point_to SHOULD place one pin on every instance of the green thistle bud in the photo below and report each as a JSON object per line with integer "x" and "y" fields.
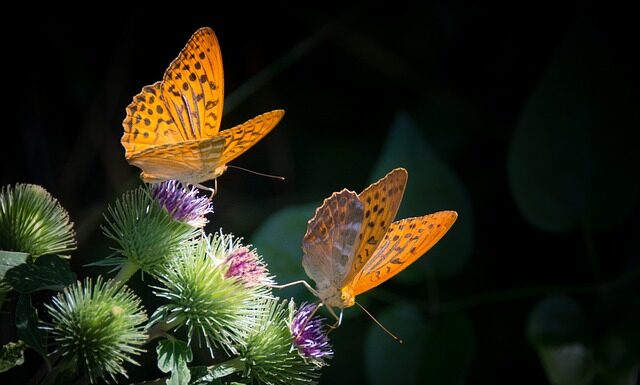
{"x": 33, "y": 222}
{"x": 97, "y": 327}
{"x": 214, "y": 307}
{"x": 146, "y": 233}
{"x": 269, "y": 352}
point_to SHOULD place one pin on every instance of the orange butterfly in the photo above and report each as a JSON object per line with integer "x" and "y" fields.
{"x": 172, "y": 128}
{"x": 352, "y": 246}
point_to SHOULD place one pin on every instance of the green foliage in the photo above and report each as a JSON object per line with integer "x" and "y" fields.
{"x": 48, "y": 272}
{"x": 33, "y": 222}
{"x": 437, "y": 351}
{"x": 11, "y": 354}
{"x": 569, "y": 160}
{"x": 28, "y": 326}
{"x": 173, "y": 357}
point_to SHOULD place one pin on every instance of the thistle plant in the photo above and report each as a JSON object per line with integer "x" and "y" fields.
{"x": 33, "y": 222}
{"x": 97, "y": 327}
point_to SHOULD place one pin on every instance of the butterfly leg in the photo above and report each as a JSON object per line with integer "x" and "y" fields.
{"x": 338, "y": 319}
{"x": 213, "y": 190}
{"x": 310, "y": 317}
{"x": 312, "y": 290}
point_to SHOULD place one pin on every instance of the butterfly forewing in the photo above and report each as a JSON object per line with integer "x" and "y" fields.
{"x": 332, "y": 238}
{"x": 405, "y": 241}
{"x": 148, "y": 122}
{"x": 240, "y": 138}
{"x": 193, "y": 86}
{"x": 381, "y": 201}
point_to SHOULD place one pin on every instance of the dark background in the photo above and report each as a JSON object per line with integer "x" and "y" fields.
{"x": 523, "y": 118}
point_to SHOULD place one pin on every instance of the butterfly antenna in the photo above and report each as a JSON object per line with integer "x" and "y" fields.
{"x": 257, "y": 173}
{"x": 398, "y": 340}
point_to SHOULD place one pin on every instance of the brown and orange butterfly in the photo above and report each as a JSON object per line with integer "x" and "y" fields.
{"x": 352, "y": 244}
{"x": 172, "y": 128}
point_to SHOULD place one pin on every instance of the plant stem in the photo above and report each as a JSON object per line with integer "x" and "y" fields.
{"x": 127, "y": 270}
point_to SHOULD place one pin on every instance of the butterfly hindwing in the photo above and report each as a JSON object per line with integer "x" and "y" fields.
{"x": 187, "y": 160}
{"x": 381, "y": 201}
{"x": 405, "y": 242}
{"x": 242, "y": 137}
{"x": 148, "y": 122}
{"x": 193, "y": 86}
{"x": 332, "y": 238}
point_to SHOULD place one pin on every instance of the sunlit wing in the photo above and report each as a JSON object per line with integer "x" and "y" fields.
{"x": 240, "y": 138}
{"x": 148, "y": 122}
{"x": 381, "y": 201}
{"x": 181, "y": 161}
{"x": 405, "y": 242}
{"x": 332, "y": 238}
{"x": 193, "y": 86}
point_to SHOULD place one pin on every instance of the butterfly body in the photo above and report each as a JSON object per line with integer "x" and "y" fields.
{"x": 352, "y": 243}
{"x": 172, "y": 127}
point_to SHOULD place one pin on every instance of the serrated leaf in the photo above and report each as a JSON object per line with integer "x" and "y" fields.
{"x": 432, "y": 186}
{"x": 569, "y": 162}
{"x": 49, "y": 272}
{"x": 173, "y": 356}
{"x": 27, "y": 325}
{"x": 11, "y": 354}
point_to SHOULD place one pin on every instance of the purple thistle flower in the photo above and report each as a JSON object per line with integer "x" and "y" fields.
{"x": 245, "y": 265}
{"x": 183, "y": 204}
{"x": 308, "y": 335}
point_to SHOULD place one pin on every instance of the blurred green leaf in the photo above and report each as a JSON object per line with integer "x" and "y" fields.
{"x": 432, "y": 187}
{"x": 279, "y": 240}
{"x": 49, "y": 272}
{"x": 173, "y": 356}
{"x": 27, "y": 323}
{"x": 211, "y": 375}
{"x": 568, "y": 364}
{"x": 569, "y": 160}
{"x": 435, "y": 352}
{"x": 11, "y": 354}
{"x": 556, "y": 321}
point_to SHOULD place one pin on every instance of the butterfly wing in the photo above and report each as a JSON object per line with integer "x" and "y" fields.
{"x": 332, "y": 238}
{"x": 193, "y": 86}
{"x": 405, "y": 242}
{"x": 381, "y": 201}
{"x": 148, "y": 122}
{"x": 185, "y": 161}
{"x": 240, "y": 138}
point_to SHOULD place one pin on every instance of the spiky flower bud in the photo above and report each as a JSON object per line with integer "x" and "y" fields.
{"x": 146, "y": 233}
{"x": 33, "y": 222}
{"x": 241, "y": 262}
{"x": 269, "y": 352}
{"x": 183, "y": 204}
{"x": 214, "y": 307}
{"x": 97, "y": 327}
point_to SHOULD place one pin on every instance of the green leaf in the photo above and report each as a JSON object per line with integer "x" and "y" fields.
{"x": 556, "y": 321}
{"x": 108, "y": 262}
{"x": 173, "y": 356}
{"x": 11, "y": 259}
{"x": 568, "y": 364}
{"x": 434, "y": 352}
{"x": 279, "y": 240}
{"x": 27, "y": 323}
{"x": 211, "y": 375}
{"x": 569, "y": 159}
{"x": 11, "y": 354}
{"x": 48, "y": 272}
{"x": 432, "y": 186}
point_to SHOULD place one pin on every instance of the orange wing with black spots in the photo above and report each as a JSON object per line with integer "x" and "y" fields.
{"x": 148, "y": 122}
{"x": 381, "y": 201}
{"x": 240, "y": 138}
{"x": 193, "y": 86}
{"x": 405, "y": 242}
